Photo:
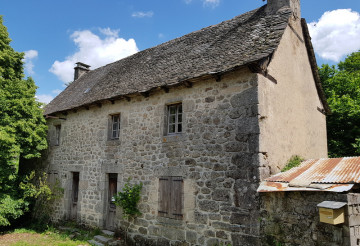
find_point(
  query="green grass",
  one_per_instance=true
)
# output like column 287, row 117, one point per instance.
column 51, row 236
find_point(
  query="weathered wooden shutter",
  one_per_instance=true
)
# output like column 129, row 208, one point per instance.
column 176, row 198
column 164, row 196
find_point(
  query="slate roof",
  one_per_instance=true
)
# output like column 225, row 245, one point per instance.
column 215, row 49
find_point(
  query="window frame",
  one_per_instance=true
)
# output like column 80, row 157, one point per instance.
column 112, row 129
column 172, row 207
column 178, row 120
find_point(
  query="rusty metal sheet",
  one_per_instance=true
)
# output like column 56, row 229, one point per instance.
column 266, row 186
column 329, row 170
column 292, row 173
column 328, row 174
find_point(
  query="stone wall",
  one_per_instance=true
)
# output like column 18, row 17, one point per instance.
column 292, row 218
column 216, row 155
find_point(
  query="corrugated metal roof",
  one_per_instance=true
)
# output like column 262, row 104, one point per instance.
column 330, row 174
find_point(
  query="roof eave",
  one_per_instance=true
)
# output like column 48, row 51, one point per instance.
column 217, row 75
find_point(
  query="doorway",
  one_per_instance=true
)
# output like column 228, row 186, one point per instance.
column 110, row 203
column 74, row 195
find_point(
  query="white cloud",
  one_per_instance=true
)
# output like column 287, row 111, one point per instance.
column 141, row 14
column 93, row 50
column 109, row 32
column 336, row 34
column 44, row 98
column 161, row 35
column 28, row 60
column 211, row 3
column 206, row 3
column 56, row 91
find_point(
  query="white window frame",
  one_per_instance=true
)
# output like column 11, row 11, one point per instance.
column 178, row 119
column 115, row 127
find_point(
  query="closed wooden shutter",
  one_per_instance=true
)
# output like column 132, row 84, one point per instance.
column 171, row 197
column 176, row 197
column 164, row 195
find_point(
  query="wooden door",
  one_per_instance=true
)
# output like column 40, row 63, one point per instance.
column 74, row 195
column 111, row 207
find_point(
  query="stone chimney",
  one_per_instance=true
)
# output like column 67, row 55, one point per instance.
column 274, row 6
column 80, row 70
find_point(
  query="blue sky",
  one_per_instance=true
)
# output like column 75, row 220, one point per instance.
column 56, row 34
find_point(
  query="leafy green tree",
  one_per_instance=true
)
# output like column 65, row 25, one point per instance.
column 22, row 127
column 342, row 89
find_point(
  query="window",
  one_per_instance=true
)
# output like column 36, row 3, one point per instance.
column 174, row 118
column 114, row 128
column 57, row 134
column 171, row 197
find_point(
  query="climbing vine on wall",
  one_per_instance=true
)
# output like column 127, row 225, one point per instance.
column 129, row 198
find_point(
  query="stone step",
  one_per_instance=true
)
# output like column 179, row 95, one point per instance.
column 93, row 242
column 102, row 239
column 64, row 228
column 108, row 233
column 117, row 243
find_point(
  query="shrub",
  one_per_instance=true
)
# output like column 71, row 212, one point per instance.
column 129, row 198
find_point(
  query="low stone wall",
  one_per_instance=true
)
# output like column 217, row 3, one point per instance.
column 292, row 218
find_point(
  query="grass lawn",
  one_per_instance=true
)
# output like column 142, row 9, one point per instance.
column 51, row 236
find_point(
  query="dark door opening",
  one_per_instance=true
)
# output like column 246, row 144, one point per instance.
column 74, row 195
column 111, row 207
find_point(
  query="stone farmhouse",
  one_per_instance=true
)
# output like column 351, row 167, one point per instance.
column 200, row 120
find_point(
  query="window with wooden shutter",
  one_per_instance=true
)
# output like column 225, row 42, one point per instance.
column 171, row 197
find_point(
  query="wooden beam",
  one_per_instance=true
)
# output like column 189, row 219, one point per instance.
column 165, row 88
column 127, row 98
column 218, row 77
column 321, row 110
column 188, row 84
column 256, row 68
column 145, row 94
column 54, row 117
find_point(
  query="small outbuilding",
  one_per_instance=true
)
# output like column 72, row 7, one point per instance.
column 316, row 203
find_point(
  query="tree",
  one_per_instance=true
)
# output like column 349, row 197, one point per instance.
column 342, row 89
column 22, row 127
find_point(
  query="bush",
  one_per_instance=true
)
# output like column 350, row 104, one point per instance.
column 129, row 198
column 293, row 162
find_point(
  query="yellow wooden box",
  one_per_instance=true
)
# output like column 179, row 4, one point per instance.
column 332, row 212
